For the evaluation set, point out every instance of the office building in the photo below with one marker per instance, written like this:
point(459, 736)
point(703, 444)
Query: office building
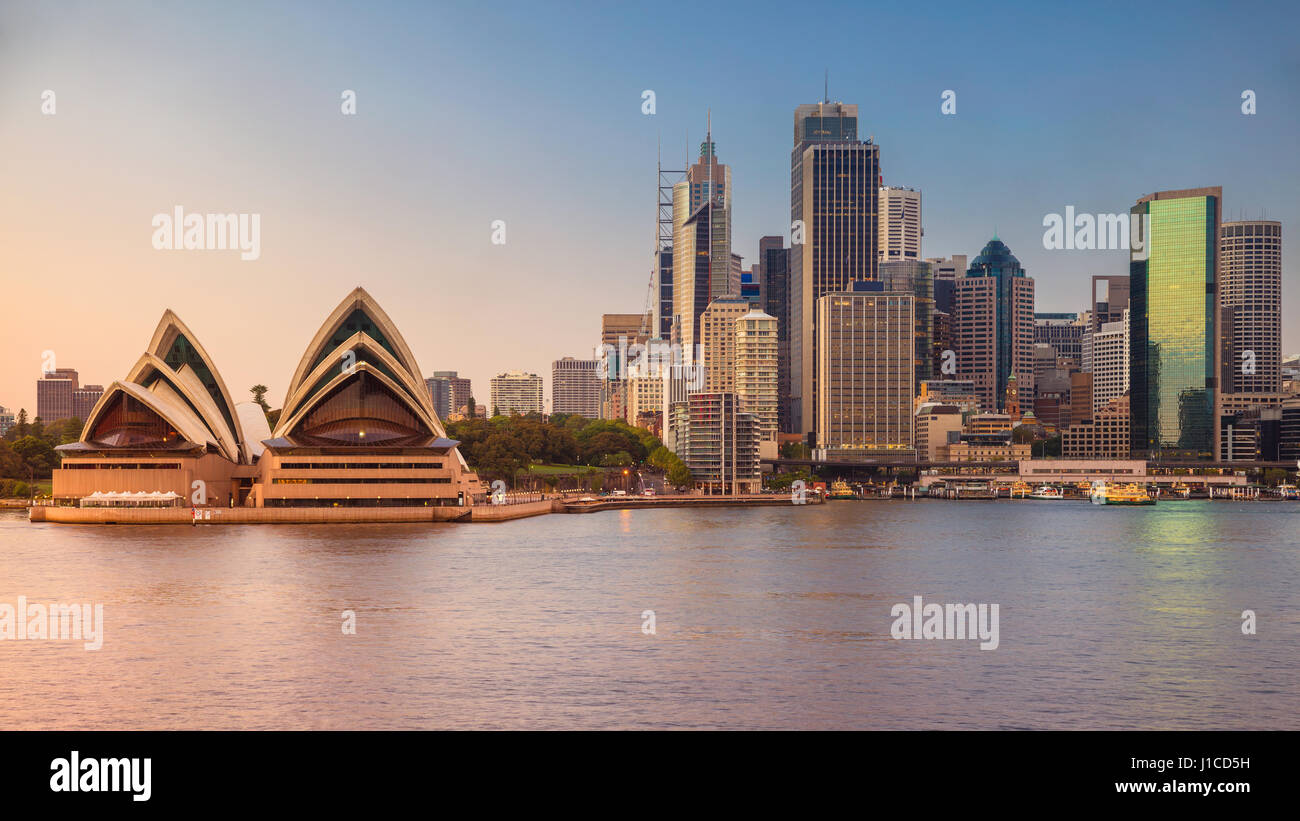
point(575, 387)
point(703, 267)
point(867, 348)
point(440, 395)
point(1110, 296)
point(916, 278)
point(934, 423)
point(1251, 297)
point(460, 389)
point(1105, 436)
point(834, 196)
point(993, 324)
point(1174, 344)
point(1110, 362)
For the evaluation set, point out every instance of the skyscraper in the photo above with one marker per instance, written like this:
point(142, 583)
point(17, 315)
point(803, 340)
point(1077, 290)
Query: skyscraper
point(756, 374)
point(440, 393)
point(718, 342)
point(867, 346)
point(84, 399)
point(834, 191)
point(916, 278)
point(1251, 297)
point(900, 224)
point(776, 273)
point(993, 325)
point(703, 267)
point(54, 394)
point(1110, 362)
point(460, 389)
point(575, 387)
point(1174, 346)
point(1111, 306)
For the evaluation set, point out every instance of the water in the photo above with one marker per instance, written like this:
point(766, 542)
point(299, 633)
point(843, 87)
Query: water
point(766, 618)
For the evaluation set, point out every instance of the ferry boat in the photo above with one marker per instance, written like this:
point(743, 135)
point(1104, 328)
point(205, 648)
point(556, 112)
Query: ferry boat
point(1180, 489)
point(1128, 495)
point(1020, 489)
point(1288, 491)
point(1047, 492)
point(840, 490)
point(1097, 492)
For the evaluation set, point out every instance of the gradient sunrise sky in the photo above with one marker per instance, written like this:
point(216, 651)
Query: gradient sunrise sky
point(531, 113)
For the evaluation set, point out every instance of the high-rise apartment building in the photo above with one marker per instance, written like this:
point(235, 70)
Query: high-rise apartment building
point(460, 390)
point(993, 325)
point(720, 443)
point(1250, 294)
point(900, 224)
point(834, 195)
point(1110, 362)
point(516, 392)
point(84, 399)
point(776, 275)
point(867, 348)
point(54, 395)
point(718, 342)
point(756, 374)
point(7, 420)
point(1174, 343)
point(575, 387)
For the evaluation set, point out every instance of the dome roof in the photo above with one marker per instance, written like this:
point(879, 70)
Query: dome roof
point(995, 255)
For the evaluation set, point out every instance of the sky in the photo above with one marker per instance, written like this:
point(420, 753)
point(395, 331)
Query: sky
point(469, 113)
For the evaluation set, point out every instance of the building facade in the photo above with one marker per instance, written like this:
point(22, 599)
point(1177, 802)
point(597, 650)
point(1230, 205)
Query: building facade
point(575, 387)
point(1174, 345)
point(516, 393)
point(721, 444)
point(54, 395)
point(864, 402)
point(900, 225)
point(756, 374)
point(834, 203)
point(1251, 310)
point(993, 324)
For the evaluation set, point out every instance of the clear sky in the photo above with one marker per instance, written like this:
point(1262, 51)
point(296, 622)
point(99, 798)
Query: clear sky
point(531, 113)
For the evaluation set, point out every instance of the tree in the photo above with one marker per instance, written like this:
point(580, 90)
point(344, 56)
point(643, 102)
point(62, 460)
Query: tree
point(471, 408)
point(259, 396)
point(37, 455)
point(679, 475)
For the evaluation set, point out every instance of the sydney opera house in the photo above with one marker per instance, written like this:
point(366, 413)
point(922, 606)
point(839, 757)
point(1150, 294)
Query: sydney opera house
point(357, 430)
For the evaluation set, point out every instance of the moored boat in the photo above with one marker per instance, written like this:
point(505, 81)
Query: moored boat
point(1047, 492)
point(1128, 495)
point(840, 490)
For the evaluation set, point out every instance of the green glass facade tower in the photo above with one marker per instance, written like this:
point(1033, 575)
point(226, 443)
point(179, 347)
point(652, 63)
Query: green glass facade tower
point(1173, 367)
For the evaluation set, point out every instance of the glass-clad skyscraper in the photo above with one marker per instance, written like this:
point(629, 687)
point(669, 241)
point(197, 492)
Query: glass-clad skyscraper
point(1173, 345)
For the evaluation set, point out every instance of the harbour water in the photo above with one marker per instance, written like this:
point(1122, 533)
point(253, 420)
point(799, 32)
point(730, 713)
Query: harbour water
point(779, 617)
